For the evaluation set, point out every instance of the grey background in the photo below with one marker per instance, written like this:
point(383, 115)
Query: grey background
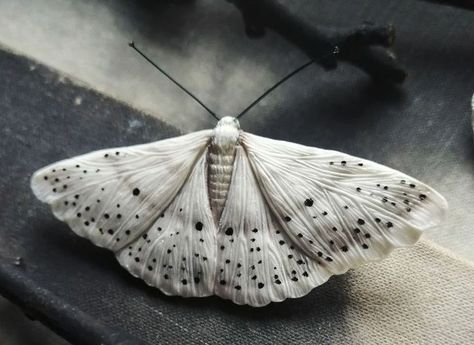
point(203, 45)
point(422, 128)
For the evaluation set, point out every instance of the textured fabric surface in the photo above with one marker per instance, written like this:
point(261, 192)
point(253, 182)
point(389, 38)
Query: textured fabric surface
point(422, 295)
point(17, 329)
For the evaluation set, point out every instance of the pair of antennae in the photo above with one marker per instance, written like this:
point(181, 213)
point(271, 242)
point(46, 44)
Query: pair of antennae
point(213, 114)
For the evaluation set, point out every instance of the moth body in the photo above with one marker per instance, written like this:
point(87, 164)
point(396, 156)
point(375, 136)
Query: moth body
point(221, 156)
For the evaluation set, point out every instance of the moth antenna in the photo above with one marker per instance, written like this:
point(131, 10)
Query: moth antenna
point(288, 76)
point(132, 45)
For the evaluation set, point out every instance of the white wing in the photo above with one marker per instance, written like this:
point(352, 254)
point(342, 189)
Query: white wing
point(339, 208)
point(113, 196)
point(177, 253)
point(257, 262)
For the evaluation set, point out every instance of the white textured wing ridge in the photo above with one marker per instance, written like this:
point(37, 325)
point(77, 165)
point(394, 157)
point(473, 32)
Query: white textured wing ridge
point(113, 196)
point(257, 262)
point(177, 253)
point(338, 208)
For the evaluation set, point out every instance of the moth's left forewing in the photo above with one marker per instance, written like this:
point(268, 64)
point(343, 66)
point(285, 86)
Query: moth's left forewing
point(147, 203)
point(112, 196)
point(341, 208)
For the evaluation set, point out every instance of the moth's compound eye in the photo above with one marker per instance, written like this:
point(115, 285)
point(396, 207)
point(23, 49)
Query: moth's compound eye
point(236, 123)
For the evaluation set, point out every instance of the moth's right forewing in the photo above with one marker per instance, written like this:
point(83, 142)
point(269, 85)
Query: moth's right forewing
point(339, 209)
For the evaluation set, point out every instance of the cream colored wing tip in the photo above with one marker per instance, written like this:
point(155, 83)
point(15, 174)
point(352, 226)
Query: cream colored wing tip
point(442, 205)
point(34, 184)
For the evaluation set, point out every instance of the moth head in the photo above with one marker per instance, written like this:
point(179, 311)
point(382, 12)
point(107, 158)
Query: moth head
point(229, 121)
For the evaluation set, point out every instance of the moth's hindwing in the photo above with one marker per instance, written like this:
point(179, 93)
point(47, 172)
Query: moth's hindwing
point(257, 262)
point(177, 253)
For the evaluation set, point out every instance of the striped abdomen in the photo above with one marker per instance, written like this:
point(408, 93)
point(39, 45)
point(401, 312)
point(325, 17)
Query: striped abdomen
point(221, 163)
point(220, 160)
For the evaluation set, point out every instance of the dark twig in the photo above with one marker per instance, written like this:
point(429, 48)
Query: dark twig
point(367, 47)
point(467, 4)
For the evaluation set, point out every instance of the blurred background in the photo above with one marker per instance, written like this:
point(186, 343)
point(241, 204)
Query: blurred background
point(421, 126)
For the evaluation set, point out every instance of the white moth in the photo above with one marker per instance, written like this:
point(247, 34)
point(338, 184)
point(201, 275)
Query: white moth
point(247, 218)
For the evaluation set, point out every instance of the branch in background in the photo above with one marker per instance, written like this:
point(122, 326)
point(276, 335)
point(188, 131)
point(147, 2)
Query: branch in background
point(467, 4)
point(367, 47)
